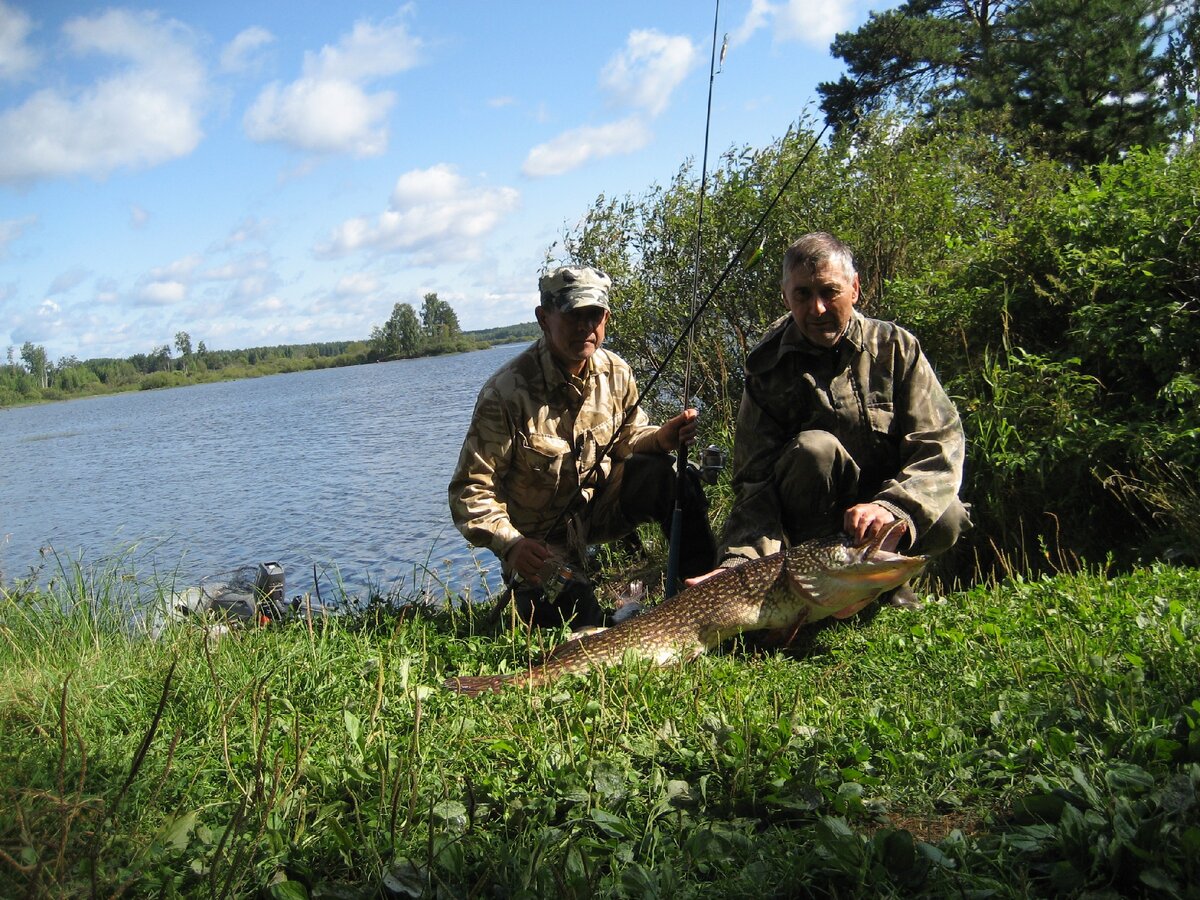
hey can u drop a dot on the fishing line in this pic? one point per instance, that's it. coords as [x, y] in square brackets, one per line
[681, 457]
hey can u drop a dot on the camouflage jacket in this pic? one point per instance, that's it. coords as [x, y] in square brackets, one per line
[877, 393]
[533, 440]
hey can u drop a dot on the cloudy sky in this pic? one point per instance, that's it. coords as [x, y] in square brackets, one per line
[273, 173]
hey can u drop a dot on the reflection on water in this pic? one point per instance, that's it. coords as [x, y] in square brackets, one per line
[342, 469]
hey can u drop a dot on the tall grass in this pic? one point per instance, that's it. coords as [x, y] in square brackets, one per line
[1030, 738]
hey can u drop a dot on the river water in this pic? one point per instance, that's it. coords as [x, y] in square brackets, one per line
[342, 469]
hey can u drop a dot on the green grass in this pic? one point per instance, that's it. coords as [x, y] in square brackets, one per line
[1027, 739]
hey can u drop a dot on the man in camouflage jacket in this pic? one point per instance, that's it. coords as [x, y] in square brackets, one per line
[540, 475]
[843, 425]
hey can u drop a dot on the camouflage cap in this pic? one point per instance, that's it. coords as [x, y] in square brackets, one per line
[572, 287]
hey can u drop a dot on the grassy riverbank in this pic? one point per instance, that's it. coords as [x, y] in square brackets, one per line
[1034, 738]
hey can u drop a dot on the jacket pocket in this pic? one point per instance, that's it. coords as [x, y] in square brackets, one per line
[541, 455]
[881, 415]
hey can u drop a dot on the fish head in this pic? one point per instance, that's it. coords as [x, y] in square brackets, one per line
[836, 575]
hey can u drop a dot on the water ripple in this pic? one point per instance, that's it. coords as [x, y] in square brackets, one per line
[341, 469]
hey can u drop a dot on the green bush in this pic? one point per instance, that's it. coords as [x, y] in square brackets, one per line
[157, 380]
[1095, 285]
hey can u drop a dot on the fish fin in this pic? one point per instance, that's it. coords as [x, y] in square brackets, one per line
[806, 586]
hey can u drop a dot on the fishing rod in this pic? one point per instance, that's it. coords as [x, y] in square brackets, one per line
[698, 311]
[563, 573]
[681, 459]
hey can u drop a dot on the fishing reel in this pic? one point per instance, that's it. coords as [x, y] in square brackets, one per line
[712, 464]
[556, 576]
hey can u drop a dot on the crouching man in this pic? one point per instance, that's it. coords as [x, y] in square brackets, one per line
[559, 455]
[843, 426]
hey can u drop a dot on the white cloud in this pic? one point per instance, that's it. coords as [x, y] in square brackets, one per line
[241, 282]
[181, 268]
[67, 281]
[642, 76]
[758, 17]
[433, 215]
[574, 148]
[358, 284]
[237, 56]
[321, 115]
[329, 108]
[812, 22]
[251, 264]
[250, 287]
[268, 305]
[649, 68]
[16, 57]
[162, 293]
[249, 229]
[138, 216]
[11, 230]
[368, 52]
[251, 274]
[39, 325]
[147, 111]
[107, 292]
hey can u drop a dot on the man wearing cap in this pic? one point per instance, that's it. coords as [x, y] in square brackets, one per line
[540, 475]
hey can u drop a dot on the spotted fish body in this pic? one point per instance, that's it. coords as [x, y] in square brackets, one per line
[801, 585]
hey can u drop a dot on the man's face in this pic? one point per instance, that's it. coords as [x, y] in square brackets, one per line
[821, 302]
[573, 336]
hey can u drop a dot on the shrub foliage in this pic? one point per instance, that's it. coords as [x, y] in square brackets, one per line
[1058, 305]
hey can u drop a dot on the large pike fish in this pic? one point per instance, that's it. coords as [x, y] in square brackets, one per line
[804, 584]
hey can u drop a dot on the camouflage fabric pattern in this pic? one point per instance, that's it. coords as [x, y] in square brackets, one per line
[533, 439]
[877, 394]
[573, 287]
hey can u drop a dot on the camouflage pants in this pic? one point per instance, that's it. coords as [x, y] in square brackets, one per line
[818, 481]
[638, 489]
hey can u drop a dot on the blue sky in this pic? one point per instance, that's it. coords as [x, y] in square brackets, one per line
[261, 173]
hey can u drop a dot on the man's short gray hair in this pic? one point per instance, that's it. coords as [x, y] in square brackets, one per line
[815, 248]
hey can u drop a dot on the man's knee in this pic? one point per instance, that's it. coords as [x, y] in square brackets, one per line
[811, 453]
[816, 478]
[647, 487]
[945, 532]
[648, 493]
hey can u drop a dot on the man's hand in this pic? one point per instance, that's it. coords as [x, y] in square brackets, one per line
[527, 557]
[862, 522]
[678, 431]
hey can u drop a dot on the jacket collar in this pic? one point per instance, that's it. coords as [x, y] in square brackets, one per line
[554, 376]
[784, 338]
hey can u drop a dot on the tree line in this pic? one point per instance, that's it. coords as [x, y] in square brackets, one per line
[30, 376]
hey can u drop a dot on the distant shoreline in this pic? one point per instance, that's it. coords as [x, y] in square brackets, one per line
[269, 361]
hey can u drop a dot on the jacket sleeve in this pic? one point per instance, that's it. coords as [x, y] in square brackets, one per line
[638, 435]
[932, 448]
[754, 526]
[486, 455]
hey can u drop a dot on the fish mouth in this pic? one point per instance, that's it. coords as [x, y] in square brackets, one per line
[875, 565]
[890, 572]
[871, 547]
